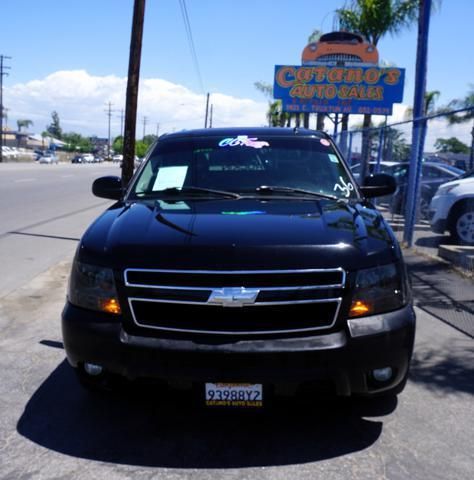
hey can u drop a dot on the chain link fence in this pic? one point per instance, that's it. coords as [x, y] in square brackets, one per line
[432, 210]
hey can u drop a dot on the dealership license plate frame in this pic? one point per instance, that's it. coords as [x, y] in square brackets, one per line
[233, 395]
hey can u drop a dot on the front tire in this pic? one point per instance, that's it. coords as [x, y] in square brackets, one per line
[462, 224]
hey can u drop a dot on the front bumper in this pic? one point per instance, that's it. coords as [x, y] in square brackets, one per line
[439, 211]
[344, 358]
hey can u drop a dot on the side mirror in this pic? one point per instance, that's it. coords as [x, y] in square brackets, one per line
[378, 185]
[108, 187]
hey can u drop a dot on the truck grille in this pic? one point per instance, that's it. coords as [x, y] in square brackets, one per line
[246, 302]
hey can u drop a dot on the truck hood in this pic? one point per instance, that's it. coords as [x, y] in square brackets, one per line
[239, 234]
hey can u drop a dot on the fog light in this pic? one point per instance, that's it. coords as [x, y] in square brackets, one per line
[92, 369]
[382, 374]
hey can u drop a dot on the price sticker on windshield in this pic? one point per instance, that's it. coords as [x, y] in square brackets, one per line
[246, 395]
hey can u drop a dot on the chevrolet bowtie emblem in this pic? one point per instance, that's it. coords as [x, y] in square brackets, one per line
[233, 296]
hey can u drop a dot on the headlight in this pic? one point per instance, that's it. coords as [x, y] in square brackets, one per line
[379, 289]
[446, 189]
[93, 288]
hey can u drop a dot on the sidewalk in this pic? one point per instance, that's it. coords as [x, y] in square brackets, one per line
[441, 291]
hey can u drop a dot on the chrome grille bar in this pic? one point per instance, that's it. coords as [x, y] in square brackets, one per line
[150, 287]
[236, 272]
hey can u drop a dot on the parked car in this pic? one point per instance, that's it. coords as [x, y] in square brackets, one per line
[239, 260]
[452, 209]
[77, 159]
[433, 174]
[49, 158]
[336, 47]
[87, 158]
[9, 152]
[117, 158]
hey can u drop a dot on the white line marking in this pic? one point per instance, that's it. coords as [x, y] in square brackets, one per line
[26, 180]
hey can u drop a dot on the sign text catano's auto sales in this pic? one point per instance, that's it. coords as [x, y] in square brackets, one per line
[339, 89]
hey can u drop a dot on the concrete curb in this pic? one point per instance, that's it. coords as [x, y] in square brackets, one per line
[460, 256]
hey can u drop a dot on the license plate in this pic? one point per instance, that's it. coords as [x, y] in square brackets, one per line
[234, 395]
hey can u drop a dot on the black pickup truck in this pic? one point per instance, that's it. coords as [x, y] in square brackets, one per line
[242, 261]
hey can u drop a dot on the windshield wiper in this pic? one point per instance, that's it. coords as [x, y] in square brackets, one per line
[293, 191]
[194, 191]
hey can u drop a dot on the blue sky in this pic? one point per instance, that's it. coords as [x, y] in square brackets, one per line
[237, 43]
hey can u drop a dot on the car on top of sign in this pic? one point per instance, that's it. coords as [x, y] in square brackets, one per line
[340, 48]
[339, 74]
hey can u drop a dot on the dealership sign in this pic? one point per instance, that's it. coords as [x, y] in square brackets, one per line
[334, 89]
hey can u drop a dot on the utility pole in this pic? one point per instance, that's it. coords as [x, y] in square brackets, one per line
[109, 114]
[414, 174]
[122, 113]
[210, 116]
[207, 111]
[145, 121]
[158, 129]
[132, 91]
[2, 74]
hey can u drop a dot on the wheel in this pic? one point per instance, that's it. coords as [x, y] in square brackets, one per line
[462, 224]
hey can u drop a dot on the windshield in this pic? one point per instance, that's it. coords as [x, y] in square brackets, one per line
[242, 165]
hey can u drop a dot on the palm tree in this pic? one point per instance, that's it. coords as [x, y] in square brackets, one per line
[428, 109]
[466, 102]
[24, 124]
[373, 19]
[429, 104]
[276, 117]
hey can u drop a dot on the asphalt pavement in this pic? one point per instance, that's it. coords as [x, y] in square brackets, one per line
[45, 210]
[50, 428]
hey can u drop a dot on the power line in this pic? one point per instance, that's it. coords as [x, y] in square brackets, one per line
[187, 27]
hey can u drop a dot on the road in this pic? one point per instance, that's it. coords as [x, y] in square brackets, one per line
[51, 429]
[45, 209]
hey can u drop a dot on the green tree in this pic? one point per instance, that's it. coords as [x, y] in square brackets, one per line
[451, 145]
[374, 19]
[141, 148]
[54, 128]
[466, 102]
[117, 144]
[275, 116]
[44, 135]
[429, 104]
[75, 142]
[25, 123]
[395, 147]
[149, 139]
[468, 115]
